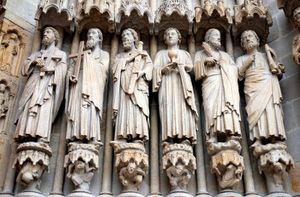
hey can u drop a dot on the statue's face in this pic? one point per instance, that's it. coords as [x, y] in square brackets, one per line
[297, 15]
[131, 167]
[93, 38]
[127, 40]
[171, 37]
[249, 40]
[215, 39]
[49, 36]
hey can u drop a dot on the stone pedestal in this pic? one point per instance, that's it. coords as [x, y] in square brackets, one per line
[81, 163]
[252, 195]
[32, 160]
[204, 194]
[278, 194]
[155, 195]
[132, 164]
[179, 164]
[6, 194]
[80, 194]
[130, 194]
[105, 195]
[179, 193]
[56, 195]
[229, 193]
[30, 194]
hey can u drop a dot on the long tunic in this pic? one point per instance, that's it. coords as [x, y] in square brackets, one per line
[130, 95]
[42, 95]
[85, 105]
[220, 94]
[177, 108]
[263, 98]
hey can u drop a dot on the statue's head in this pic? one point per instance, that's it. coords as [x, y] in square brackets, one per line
[172, 36]
[249, 40]
[50, 35]
[130, 39]
[131, 167]
[94, 38]
[79, 165]
[296, 15]
[213, 37]
[3, 86]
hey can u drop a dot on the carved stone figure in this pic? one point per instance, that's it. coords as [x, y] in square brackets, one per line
[171, 79]
[86, 89]
[44, 89]
[296, 43]
[131, 163]
[81, 163]
[4, 103]
[221, 103]
[264, 104]
[132, 72]
[9, 51]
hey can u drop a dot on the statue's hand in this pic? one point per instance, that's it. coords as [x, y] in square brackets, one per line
[39, 62]
[250, 60]
[210, 61]
[73, 79]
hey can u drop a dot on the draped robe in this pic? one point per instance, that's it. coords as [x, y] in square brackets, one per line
[220, 94]
[42, 95]
[130, 95]
[85, 105]
[263, 98]
[177, 108]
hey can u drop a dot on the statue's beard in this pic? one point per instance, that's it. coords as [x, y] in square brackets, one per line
[91, 43]
[47, 41]
[216, 45]
[250, 45]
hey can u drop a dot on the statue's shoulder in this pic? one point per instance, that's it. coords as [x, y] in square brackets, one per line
[60, 53]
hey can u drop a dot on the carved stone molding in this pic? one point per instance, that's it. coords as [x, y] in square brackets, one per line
[99, 13]
[32, 160]
[212, 15]
[170, 7]
[134, 14]
[228, 165]
[132, 164]
[252, 15]
[61, 6]
[81, 163]
[179, 163]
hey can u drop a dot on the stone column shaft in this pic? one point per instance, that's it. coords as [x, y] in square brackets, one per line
[106, 189]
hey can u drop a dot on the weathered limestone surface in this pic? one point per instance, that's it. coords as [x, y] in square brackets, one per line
[141, 168]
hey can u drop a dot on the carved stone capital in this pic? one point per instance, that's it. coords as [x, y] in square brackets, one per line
[179, 163]
[132, 164]
[32, 160]
[274, 161]
[228, 165]
[289, 7]
[81, 163]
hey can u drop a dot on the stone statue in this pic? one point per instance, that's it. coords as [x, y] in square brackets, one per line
[296, 43]
[132, 72]
[44, 89]
[86, 89]
[177, 109]
[221, 102]
[220, 92]
[264, 108]
[9, 51]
